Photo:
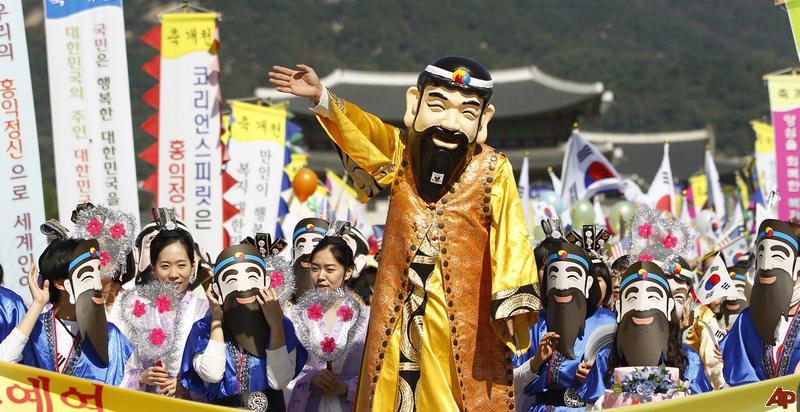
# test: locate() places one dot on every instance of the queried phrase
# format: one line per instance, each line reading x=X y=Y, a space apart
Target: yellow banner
x=255 y=122
x=337 y=181
x=765 y=137
x=184 y=33
x=744 y=191
x=699 y=185
x=26 y=389
x=299 y=160
x=784 y=92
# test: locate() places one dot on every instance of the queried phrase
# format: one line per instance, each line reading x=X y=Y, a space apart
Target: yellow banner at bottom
x=27 y=389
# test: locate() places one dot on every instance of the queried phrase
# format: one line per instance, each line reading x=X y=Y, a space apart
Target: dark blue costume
x=255 y=378
x=747 y=359
x=83 y=363
x=558 y=374
x=12 y=309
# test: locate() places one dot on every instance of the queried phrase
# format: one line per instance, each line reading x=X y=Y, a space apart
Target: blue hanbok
x=557 y=376
x=244 y=373
x=12 y=309
x=747 y=359
x=83 y=361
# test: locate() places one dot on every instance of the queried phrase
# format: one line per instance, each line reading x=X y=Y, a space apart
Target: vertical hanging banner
x=784 y=101
x=257 y=147
x=189 y=154
x=21 y=198
x=90 y=105
x=765 y=157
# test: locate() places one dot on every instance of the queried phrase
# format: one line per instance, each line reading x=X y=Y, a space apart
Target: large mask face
x=775 y=277
x=239 y=275
x=446 y=119
x=568 y=282
x=85 y=288
x=644 y=311
x=307 y=233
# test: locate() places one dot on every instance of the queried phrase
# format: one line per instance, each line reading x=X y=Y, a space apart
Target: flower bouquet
x=328 y=342
x=633 y=386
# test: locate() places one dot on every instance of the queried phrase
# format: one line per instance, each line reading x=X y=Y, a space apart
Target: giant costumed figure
x=456 y=269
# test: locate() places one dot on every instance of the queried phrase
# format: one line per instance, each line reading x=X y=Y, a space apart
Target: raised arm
x=370 y=149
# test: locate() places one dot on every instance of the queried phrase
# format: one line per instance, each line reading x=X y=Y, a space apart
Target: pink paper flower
x=328 y=344
x=94 y=227
x=645 y=230
x=314 y=312
x=645 y=257
x=118 y=230
x=157 y=336
x=104 y=258
x=276 y=279
x=163 y=304
x=669 y=241
x=139 y=309
x=344 y=313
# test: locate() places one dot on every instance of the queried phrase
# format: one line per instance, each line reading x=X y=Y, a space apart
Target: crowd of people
x=457 y=311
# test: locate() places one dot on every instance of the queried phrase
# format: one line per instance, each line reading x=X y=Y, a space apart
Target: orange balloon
x=304 y=184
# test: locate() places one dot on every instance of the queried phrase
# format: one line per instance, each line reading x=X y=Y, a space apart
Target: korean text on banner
x=784 y=100
x=21 y=198
x=26 y=389
x=257 y=150
x=90 y=105
x=189 y=154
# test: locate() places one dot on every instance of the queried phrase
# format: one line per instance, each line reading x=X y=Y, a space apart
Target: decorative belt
x=260 y=401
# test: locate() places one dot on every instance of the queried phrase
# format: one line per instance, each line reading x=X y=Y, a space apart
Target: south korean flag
x=716 y=283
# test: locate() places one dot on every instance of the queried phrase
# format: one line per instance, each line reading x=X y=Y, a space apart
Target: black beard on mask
x=245 y=323
x=566 y=319
x=92 y=322
x=302 y=276
x=768 y=303
x=730 y=309
x=643 y=345
x=432 y=163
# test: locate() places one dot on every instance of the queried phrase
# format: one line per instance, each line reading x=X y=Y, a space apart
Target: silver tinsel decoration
x=139 y=328
x=117 y=246
x=284 y=267
x=308 y=331
x=648 y=237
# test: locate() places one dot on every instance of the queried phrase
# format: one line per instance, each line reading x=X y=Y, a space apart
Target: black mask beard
x=643 y=345
x=302 y=277
x=730 y=310
x=768 y=303
x=432 y=163
x=566 y=319
x=245 y=322
x=92 y=322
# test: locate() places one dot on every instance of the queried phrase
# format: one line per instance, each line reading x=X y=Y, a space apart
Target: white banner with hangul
x=21 y=199
x=257 y=145
x=90 y=105
x=189 y=154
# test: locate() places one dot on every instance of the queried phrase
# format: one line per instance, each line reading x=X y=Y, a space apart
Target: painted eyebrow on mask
x=228 y=273
x=471 y=102
x=632 y=289
x=84 y=270
x=780 y=248
x=437 y=95
x=655 y=290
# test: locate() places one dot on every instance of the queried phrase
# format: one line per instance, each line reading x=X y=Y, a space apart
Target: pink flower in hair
x=344 y=313
x=163 y=304
x=157 y=336
x=275 y=279
x=94 y=227
x=104 y=258
x=328 y=344
x=645 y=257
x=117 y=231
x=314 y=312
x=645 y=230
x=139 y=309
x=669 y=241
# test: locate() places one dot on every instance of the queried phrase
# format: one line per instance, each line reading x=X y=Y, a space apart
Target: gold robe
x=699 y=337
x=451 y=273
